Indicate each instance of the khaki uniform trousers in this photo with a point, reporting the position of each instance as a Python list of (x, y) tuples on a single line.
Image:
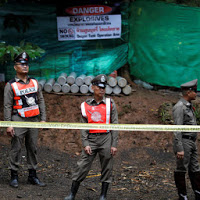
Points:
[(100, 144), (31, 136), (190, 160)]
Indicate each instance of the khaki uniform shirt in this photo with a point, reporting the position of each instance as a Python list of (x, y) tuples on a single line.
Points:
[(183, 114), (113, 120), (9, 99)]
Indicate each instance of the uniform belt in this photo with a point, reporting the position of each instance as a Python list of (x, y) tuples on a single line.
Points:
[(104, 133), (189, 137)]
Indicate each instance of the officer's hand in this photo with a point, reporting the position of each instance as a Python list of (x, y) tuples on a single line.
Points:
[(88, 150), (180, 155), (113, 151), (10, 131)]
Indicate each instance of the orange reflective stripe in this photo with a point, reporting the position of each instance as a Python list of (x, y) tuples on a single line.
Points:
[(97, 131), (17, 98), (17, 107), (32, 113)]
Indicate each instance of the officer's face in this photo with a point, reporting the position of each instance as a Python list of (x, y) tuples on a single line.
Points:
[(21, 68), (192, 94), (98, 91)]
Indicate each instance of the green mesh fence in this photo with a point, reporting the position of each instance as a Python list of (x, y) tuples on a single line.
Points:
[(164, 42), (89, 57), (159, 40)]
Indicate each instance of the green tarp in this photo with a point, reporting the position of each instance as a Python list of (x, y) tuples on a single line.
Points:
[(164, 42), (89, 57), (160, 41)]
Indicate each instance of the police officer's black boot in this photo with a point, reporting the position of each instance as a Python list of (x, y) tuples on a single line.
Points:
[(179, 178), (104, 189), (74, 190), (14, 179), (33, 179), (195, 181)]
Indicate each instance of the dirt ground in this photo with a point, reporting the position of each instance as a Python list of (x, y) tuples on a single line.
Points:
[(143, 166)]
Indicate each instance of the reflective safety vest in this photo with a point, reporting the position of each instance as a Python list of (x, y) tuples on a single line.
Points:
[(25, 98), (97, 114)]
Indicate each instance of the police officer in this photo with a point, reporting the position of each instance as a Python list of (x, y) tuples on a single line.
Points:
[(185, 147), (23, 101), (104, 142)]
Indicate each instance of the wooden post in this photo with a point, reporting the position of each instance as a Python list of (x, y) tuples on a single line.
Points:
[(49, 85)]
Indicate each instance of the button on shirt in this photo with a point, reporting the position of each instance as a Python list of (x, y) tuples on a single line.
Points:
[(113, 120)]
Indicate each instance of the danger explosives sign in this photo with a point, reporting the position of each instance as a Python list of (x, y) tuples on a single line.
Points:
[(88, 22), (89, 10)]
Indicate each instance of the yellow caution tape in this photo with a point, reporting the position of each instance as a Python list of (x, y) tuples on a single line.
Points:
[(91, 176), (119, 127)]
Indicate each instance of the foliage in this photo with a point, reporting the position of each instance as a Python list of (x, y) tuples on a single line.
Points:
[(165, 113), (8, 52), (19, 22), (197, 112), (2, 2)]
